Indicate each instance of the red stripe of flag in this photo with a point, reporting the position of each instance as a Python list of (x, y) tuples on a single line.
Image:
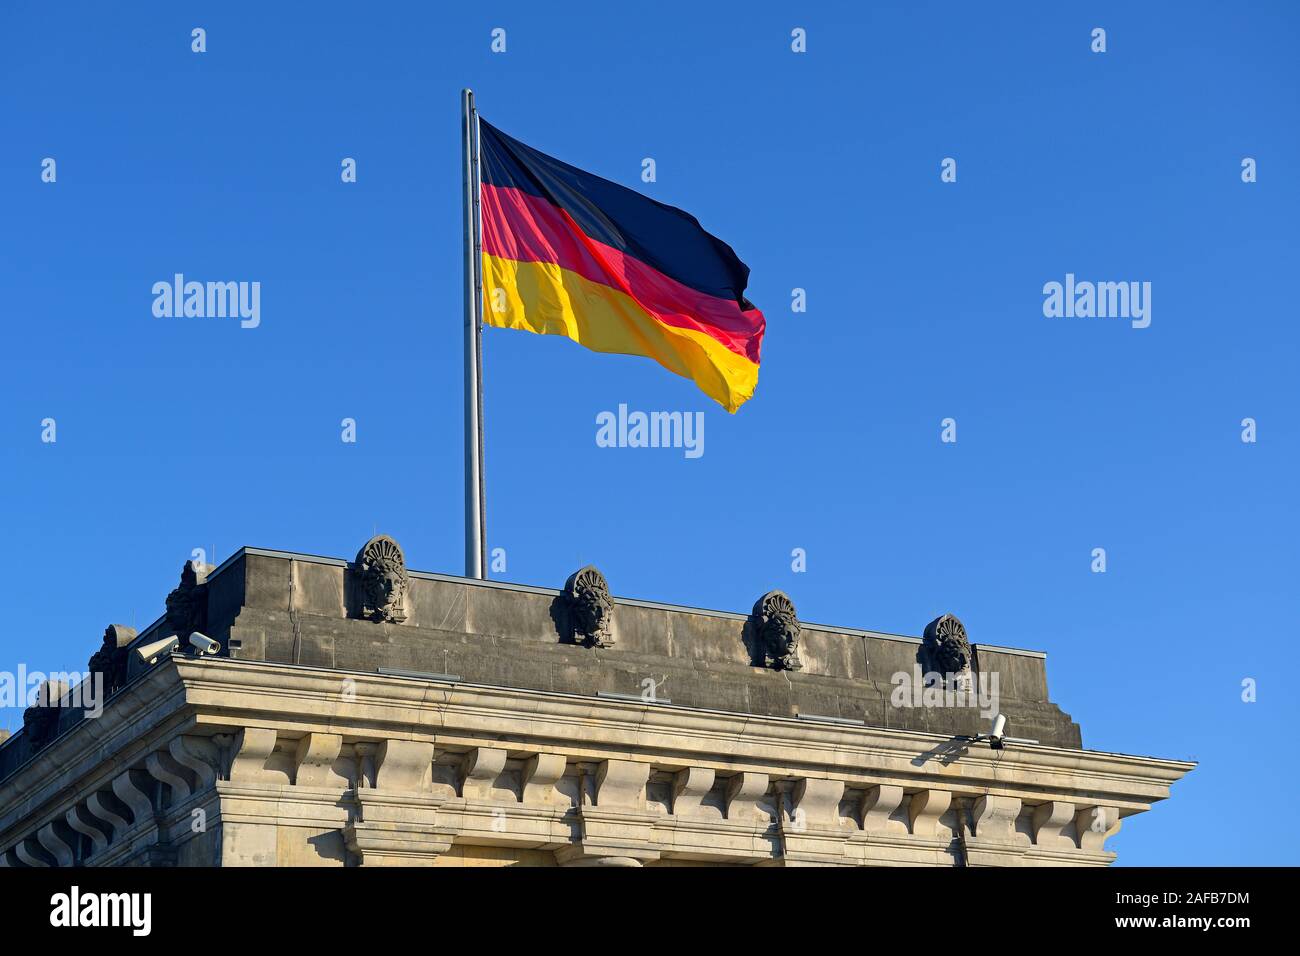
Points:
[(527, 228)]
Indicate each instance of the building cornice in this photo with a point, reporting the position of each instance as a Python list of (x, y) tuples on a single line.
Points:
[(207, 696)]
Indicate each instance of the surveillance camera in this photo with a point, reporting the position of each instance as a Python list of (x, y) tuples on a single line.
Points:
[(203, 644), (997, 738), (148, 654)]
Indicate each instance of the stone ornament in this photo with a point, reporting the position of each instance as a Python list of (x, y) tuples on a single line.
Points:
[(947, 649), (776, 625), (589, 608), (187, 605), (382, 582), (41, 720), (111, 659)]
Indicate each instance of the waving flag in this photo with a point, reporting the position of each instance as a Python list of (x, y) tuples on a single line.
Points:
[(568, 253)]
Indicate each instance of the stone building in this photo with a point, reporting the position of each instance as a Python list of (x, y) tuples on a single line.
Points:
[(359, 713)]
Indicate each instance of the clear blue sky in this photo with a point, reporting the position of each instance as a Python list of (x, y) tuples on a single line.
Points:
[(822, 171)]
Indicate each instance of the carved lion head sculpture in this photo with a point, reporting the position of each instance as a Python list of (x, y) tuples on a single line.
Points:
[(112, 657), (946, 643), (590, 608), (777, 625), (41, 719), (381, 580), (187, 604)]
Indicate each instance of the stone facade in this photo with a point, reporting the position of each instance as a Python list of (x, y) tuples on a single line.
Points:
[(359, 713)]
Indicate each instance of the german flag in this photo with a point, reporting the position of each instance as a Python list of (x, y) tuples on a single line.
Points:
[(568, 253)]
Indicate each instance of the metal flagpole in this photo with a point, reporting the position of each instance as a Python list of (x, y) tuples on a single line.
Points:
[(475, 520)]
